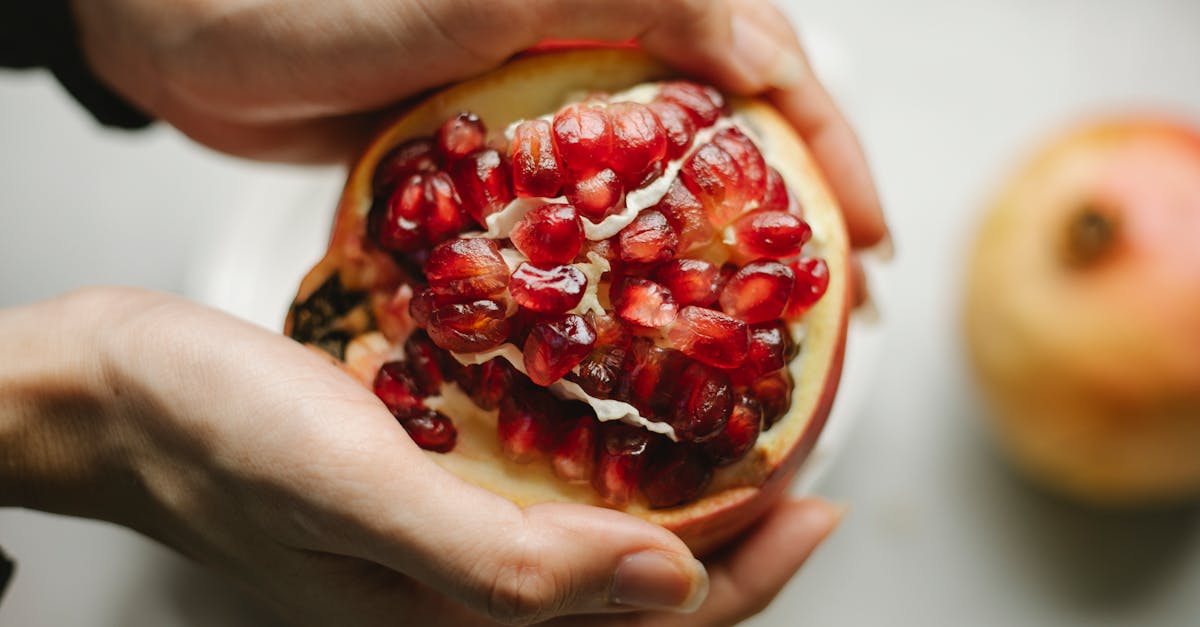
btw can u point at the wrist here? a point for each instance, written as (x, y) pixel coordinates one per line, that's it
(59, 441)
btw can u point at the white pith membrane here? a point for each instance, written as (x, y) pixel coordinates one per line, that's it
(477, 456)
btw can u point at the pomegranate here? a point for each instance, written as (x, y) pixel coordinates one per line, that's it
(583, 313)
(1083, 313)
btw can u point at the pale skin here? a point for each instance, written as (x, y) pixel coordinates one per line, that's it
(259, 459)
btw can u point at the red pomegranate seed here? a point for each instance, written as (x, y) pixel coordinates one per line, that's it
(774, 393)
(550, 233)
(703, 399)
(536, 168)
(710, 336)
(704, 104)
(412, 157)
(574, 456)
(776, 196)
(446, 218)
(675, 474)
(466, 269)
(425, 360)
(481, 179)
(619, 458)
(489, 382)
(740, 434)
(770, 233)
(758, 292)
(644, 303)
(771, 348)
(727, 175)
(555, 346)
(685, 213)
(394, 385)
(649, 239)
(431, 431)
(639, 140)
(468, 327)
(600, 371)
(583, 136)
(691, 281)
(460, 136)
(812, 279)
(595, 195)
(527, 424)
(551, 289)
(402, 227)
(421, 307)
(647, 380)
(678, 126)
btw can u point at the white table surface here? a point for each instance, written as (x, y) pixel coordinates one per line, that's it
(947, 96)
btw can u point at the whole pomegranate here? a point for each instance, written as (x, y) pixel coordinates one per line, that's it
(1083, 313)
(580, 278)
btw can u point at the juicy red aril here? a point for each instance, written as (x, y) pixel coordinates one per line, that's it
(536, 168)
(549, 233)
(727, 175)
(466, 269)
(776, 197)
(583, 136)
(489, 382)
(771, 347)
(424, 359)
(678, 126)
(468, 327)
(394, 385)
(574, 456)
(758, 292)
(774, 392)
(431, 431)
(703, 104)
(702, 403)
(527, 423)
(648, 378)
(445, 217)
(812, 279)
(649, 239)
(687, 215)
(639, 140)
(403, 225)
(460, 136)
(421, 307)
(739, 435)
(691, 281)
(771, 233)
(595, 195)
(674, 474)
(600, 371)
(553, 289)
(481, 179)
(644, 303)
(619, 458)
(710, 336)
(555, 346)
(412, 157)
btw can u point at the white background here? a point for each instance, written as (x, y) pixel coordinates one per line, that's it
(947, 97)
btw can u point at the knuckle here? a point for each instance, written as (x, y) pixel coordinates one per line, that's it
(524, 591)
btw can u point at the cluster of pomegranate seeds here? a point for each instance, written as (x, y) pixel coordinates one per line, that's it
(687, 323)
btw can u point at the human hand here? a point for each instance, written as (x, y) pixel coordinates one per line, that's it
(303, 80)
(258, 458)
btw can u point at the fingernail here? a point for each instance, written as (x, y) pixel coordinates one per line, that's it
(762, 55)
(885, 250)
(659, 580)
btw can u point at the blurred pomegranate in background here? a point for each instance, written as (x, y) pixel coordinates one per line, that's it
(1083, 313)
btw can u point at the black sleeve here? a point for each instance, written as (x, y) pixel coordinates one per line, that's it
(41, 33)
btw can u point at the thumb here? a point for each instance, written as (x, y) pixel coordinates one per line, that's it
(524, 565)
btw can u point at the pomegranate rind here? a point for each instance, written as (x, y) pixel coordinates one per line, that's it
(1092, 372)
(533, 86)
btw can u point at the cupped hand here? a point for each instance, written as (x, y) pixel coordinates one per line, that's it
(259, 458)
(304, 80)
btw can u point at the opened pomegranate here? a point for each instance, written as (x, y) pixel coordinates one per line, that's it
(1083, 313)
(580, 278)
